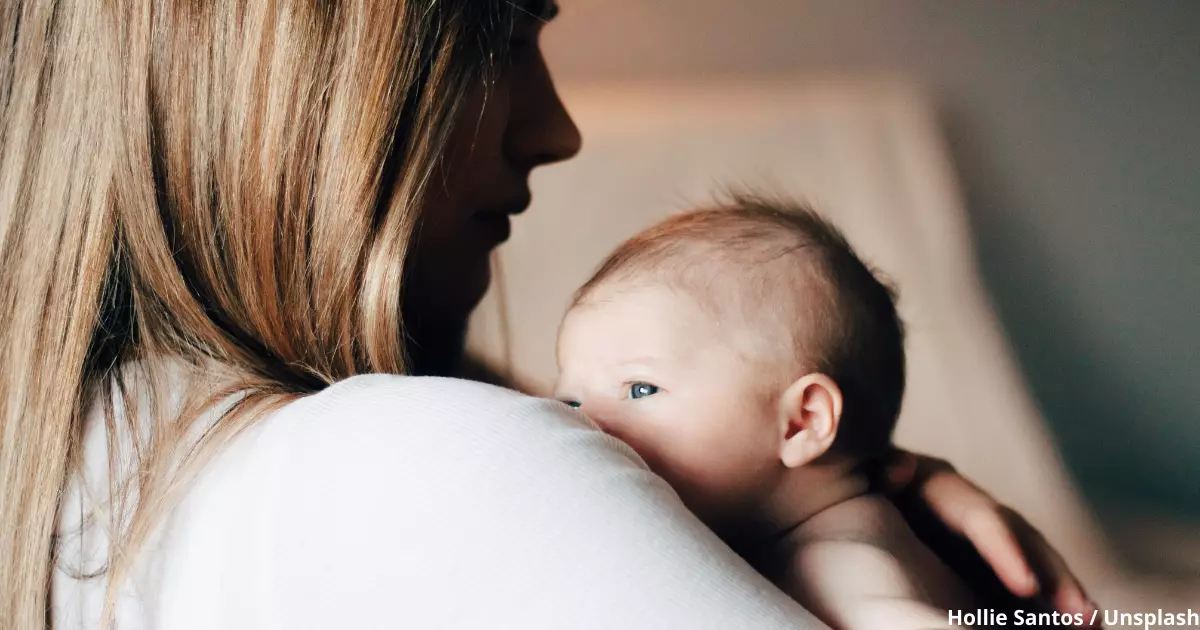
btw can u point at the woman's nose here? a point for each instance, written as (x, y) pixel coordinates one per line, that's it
(540, 131)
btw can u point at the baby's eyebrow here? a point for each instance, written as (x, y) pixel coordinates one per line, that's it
(642, 360)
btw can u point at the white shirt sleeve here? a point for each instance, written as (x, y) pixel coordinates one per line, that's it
(394, 502)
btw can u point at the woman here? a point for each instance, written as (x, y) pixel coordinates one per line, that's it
(224, 226)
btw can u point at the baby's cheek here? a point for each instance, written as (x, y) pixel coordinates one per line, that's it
(709, 465)
(728, 472)
(701, 474)
(643, 442)
(669, 454)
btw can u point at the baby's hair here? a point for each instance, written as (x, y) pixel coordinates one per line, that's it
(790, 278)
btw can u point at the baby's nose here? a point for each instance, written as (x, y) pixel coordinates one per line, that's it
(604, 426)
(597, 413)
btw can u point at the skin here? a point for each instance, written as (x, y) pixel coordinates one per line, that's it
(746, 448)
(518, 124)
(506, 129)
(693, 411)
(747, 451)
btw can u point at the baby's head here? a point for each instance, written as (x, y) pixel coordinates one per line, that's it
(732, 346)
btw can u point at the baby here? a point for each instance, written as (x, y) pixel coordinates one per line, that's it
(755, 363)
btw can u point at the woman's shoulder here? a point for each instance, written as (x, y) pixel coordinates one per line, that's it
(385, 435)
(320, 514)
(411, 409)
(372, 427)
(387, 393)
(370, 483)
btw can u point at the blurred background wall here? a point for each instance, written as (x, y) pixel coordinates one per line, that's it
(1075, 130)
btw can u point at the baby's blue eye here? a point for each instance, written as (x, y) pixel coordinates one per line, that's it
(641, 390)
(572, 403)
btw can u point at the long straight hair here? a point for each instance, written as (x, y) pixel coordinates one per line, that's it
(207, 181)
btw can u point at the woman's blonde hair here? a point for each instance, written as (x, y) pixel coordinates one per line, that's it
(227, 182)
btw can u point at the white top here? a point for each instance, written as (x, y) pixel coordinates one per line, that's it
(403, 502)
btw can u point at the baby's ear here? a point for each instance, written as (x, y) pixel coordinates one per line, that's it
(810, 412)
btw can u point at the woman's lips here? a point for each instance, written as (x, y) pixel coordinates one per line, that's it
(495, 220)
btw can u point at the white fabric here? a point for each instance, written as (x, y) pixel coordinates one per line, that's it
(399, 502)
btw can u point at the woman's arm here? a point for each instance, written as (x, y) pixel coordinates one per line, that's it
(991, 545)
(407, 502)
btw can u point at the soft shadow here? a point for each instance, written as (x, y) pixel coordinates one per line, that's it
(1085, 401)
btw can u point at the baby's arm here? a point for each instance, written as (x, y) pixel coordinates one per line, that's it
(855, 586)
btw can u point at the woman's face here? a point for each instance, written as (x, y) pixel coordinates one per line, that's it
(502, 133)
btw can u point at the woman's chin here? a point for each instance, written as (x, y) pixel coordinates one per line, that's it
(476, 285)
(450, 296)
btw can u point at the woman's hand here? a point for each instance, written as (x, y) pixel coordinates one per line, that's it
(1011, 548)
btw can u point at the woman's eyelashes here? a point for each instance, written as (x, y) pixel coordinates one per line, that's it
(642, 390)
